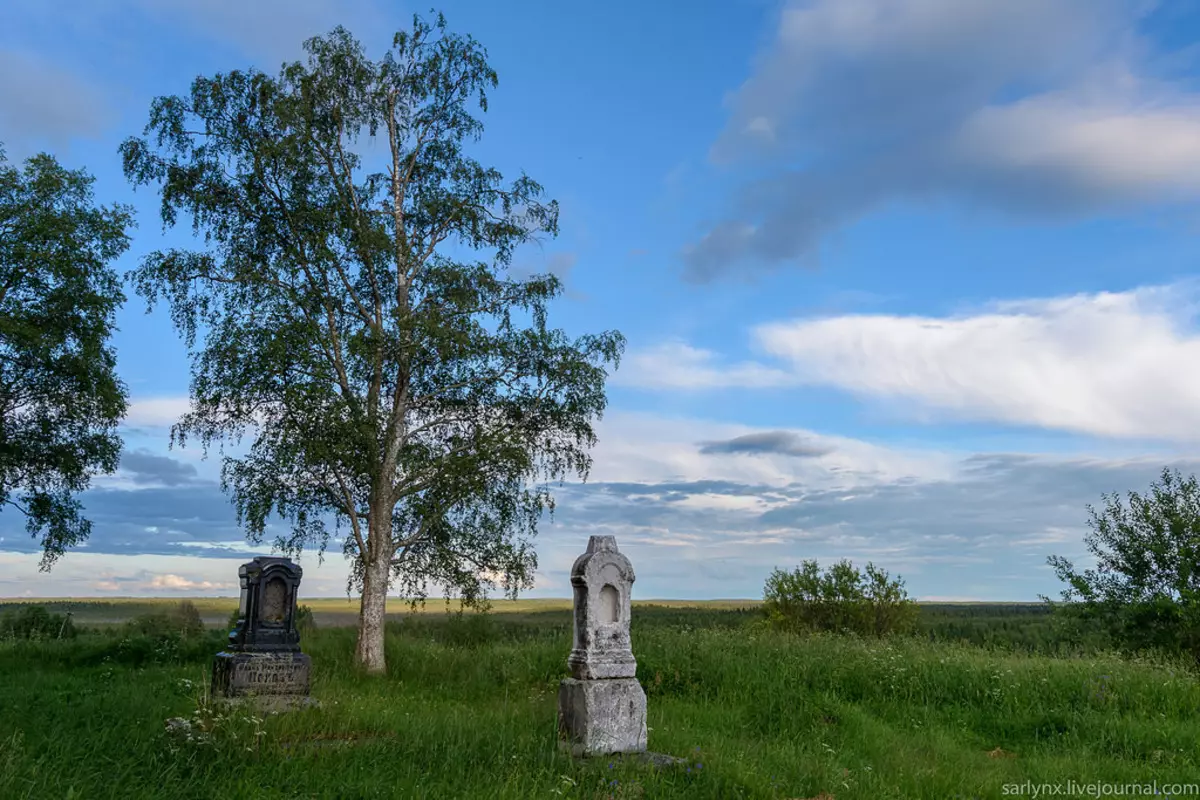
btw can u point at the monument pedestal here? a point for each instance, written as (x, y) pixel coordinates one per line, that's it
(601, 717)
(259, 674)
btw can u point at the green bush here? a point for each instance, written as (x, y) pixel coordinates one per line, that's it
(35, 622)
(182, 621)
(1143, 592)
(304, 619)
(842, 600)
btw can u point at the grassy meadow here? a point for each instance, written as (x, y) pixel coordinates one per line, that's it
(978, 704)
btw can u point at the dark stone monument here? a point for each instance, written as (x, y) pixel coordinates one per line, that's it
(263, 660)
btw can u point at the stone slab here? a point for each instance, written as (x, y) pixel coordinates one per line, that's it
(601, 717)
(261, 674)
(602, 666)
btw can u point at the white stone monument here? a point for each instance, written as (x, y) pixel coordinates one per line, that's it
(601, 707)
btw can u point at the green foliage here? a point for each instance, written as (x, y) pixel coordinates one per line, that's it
(1144, 592)
(843, 599)
(304, 619)
(60, 398)
(35, 622)
(182, 621)
(419, 400)
(1018, 627)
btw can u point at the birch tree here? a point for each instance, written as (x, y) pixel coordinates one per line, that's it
(417, 400)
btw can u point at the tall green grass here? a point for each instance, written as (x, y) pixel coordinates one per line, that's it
(467, 710)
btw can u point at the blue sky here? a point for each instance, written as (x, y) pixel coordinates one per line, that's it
(910, 281)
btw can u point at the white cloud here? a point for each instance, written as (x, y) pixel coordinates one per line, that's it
(678, 365)
(176, 583)
(162, 412)
(1028, 107)
(648, 448)
(1120, 364)
(1110, 364)
(1102, 148)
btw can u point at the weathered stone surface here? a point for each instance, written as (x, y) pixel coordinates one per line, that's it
(263, 661)
(602, 580)
(267, 611)
(260, 674)
(601, 717)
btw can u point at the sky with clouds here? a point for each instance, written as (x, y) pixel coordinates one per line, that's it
(904, 281)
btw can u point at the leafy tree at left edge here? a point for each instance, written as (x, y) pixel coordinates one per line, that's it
(60, 398)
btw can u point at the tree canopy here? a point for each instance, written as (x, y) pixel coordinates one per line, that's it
(1144, 590)
(419, 399)
(60, 398)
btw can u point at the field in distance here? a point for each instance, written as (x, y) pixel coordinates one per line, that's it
(327, 611)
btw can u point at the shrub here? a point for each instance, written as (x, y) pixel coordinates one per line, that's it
(843, 599)
(1144, 592)
(183, 621)
(304, 619)
(35, 622)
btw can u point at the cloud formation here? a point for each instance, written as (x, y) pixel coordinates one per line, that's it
(156, 412)
(1027, 107)
(1112, 364)
(694, 523)
(146, 469)
(1109, 364)
(678, 365)
(178, 583)
(983, 531)
(781, 442)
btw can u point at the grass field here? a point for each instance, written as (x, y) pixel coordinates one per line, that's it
(328, 611)
(467, 710)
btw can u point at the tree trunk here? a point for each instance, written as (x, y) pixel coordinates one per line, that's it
(369, 653)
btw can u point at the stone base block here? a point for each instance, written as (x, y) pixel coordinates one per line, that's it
(272, 678)
(600, 717)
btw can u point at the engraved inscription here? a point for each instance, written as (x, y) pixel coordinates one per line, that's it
(272, 676)
(270, 673)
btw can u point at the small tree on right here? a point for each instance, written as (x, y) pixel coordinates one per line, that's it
(1144, 591)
